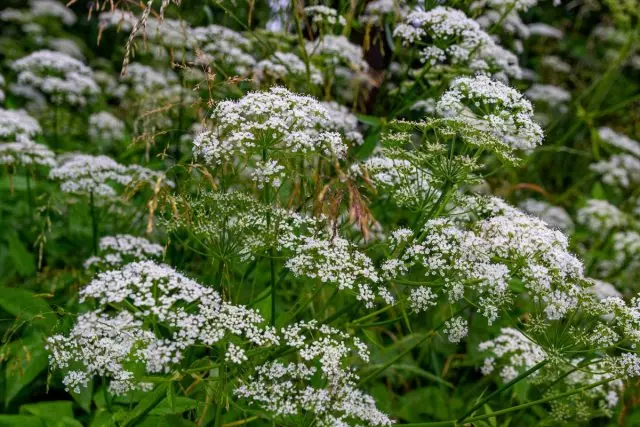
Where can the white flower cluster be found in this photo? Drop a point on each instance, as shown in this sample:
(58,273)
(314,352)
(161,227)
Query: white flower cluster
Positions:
(146,81)
(25,152)
(105,127)
(544,30)
(337,50)
(105,343)
(225,46)
(269,172)
(467,44)
(66,46)
(115,251)
(494,108)
(515,353)
(121,19)
(405,184)
(276,121)
(64,79)
(554,216)
(552,95)
(600,216)
(16,146)
(621,170)
(87,174)
(555,63)
(479,260)
(336,261)
(324,15)
(456,329)
(15,124)
(283,65)
(289,389)
(52,8)
(344,121)
(619,140)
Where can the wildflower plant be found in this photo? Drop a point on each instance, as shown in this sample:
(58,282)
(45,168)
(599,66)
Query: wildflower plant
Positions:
(319,214)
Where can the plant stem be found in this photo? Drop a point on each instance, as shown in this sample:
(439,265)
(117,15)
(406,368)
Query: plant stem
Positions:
(503,388)
(512,409)
(94,224)
(381,369)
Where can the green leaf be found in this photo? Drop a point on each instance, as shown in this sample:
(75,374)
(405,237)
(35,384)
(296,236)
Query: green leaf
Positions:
(21,421)
(370,120)
(142,409)
(28,358)
(54,413)
(103,418)
(23,260)
(181,404)
(84,398)
(27,306)
(177,421)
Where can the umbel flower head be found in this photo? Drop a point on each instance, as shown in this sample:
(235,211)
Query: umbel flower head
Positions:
(122,332)
(100,175)
(63,79)
(16,123)
(447,36)
(285,65)
(105,127)
(493,107)
(279,122)
(512,353)
(116,251)
(289,389)
(25,152)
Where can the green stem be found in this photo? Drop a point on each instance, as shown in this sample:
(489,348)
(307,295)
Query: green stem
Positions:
(29,194)
(94,224)
(513,408)
(503,388)
(393,360)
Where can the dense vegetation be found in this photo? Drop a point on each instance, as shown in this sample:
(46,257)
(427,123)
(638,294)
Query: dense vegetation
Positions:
(308,213)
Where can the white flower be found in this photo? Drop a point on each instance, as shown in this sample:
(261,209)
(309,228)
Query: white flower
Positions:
(600,216)
(456,329)
(545,30)
(282,65)
(619,140)
(52,8)
(514,351)
(552,95)
(104,343)
(277,121)
(324,14)
(493,107)
(467,44)
(105,127)
(554,216)
(288,389)
(620,170)
(115,251)
(17,123)
(270,172)
(64,79)
(556,64)
(86,174)
(25,152)
(337,50)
